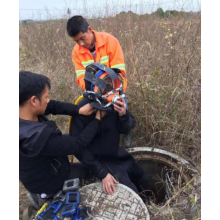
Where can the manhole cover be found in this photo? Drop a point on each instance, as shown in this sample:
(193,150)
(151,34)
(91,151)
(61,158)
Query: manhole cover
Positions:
(124,204)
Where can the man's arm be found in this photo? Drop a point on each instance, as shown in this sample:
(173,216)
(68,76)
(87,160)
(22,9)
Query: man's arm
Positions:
(126,123)
(61,108)
(87,157)
(92,162)
(61,145)
(79,69)
(116,56)
(98,169)
(64,108)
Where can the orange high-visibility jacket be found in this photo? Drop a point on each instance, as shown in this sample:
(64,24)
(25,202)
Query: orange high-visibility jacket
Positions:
(108,52)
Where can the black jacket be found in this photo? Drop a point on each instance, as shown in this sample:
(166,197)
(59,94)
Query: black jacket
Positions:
(105,145)
(43,150)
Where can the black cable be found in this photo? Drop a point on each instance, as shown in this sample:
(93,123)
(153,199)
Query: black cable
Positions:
(102,135)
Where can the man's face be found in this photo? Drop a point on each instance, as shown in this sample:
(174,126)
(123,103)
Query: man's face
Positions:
(84,39)
(108,86)
(41,104)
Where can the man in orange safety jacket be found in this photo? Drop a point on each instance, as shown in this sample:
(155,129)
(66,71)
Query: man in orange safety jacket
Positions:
(92,46)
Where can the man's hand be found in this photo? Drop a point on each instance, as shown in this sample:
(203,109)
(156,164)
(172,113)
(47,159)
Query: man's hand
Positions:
(120,107)
(98,114)
(86,110)
(108,184)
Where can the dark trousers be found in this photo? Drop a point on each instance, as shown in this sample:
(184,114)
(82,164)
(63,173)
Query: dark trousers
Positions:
(121,175)
(127,171)
(119,171)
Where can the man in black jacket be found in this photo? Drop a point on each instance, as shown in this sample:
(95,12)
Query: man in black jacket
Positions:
(109,162)
(43,150)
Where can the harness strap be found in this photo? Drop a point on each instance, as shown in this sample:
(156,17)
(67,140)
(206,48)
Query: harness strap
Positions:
(95,80)
(110,72)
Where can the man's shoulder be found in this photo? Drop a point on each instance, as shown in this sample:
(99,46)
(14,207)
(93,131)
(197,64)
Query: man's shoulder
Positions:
(105,36)
(31,128)
(75,48)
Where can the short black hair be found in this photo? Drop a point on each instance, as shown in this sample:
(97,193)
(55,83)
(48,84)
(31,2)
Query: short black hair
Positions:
(76,24)
(31,84)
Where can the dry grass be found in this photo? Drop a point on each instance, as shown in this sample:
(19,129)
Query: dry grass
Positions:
(163,63)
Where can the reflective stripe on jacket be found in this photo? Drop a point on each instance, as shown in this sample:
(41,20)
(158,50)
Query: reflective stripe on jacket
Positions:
(108,52)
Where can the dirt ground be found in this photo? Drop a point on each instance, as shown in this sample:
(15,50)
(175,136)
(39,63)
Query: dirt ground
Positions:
(23,202)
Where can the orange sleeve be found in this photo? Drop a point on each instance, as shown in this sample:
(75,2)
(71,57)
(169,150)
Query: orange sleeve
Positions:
(116,56)
(79,69)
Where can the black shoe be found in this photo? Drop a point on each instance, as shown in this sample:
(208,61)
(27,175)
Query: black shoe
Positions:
(127,140)
(35,200)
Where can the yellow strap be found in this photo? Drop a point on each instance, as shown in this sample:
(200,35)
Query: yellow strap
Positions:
(77,101)
(41,209)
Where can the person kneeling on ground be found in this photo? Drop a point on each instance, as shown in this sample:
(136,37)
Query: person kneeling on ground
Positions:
(107,161)
(43,150)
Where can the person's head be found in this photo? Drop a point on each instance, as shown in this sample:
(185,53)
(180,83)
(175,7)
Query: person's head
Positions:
(80,31)
(33,91)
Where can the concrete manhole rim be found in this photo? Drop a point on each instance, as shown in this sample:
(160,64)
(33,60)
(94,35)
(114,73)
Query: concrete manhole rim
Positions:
(99,184)
(162,153)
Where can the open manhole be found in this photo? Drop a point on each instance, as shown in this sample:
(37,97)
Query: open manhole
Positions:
(166,171)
